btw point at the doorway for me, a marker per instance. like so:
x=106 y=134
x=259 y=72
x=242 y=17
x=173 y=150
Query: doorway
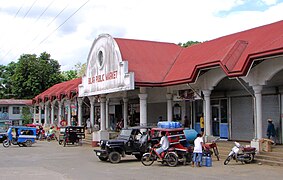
x=219 y=118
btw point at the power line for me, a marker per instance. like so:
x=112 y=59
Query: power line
x=48 y=23
x=30 y=8
x=23 y=18
x=62 y=24
x=15 y=16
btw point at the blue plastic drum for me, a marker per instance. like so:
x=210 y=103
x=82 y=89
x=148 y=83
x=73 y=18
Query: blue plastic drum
x=191 y=135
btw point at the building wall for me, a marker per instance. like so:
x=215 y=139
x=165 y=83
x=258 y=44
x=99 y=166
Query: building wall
x=154 y=110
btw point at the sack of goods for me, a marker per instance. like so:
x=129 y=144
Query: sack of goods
x=169 y=124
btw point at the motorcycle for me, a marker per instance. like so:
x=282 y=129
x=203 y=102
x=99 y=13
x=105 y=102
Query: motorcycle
x=169 y=157
x=51 y=137
x=240 y=153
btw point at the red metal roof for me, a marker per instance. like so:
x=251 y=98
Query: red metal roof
x=58 y=90
x=150 y=61
x=15 y=102
x=163 y=64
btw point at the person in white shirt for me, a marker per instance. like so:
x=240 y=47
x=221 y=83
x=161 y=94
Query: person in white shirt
x=164 y=142
x=198 y=145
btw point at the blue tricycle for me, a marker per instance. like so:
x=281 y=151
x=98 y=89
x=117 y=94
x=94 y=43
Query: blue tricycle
x=20 y=135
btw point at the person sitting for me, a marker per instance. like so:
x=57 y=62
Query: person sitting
x=164 y=144
x=51 y=131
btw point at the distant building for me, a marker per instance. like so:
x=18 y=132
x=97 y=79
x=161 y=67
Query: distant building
x=11 y=111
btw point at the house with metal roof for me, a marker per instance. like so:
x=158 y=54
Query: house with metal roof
x=11 y=111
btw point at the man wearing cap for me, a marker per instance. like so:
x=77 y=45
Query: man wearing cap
x=271 y=130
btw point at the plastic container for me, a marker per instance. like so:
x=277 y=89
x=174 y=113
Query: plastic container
x=163 y=124
x=208 y=161
x=169 y=124
x=191 y=135
x=204 y=160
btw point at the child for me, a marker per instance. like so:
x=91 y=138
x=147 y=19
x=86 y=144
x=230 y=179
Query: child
x=198 y=144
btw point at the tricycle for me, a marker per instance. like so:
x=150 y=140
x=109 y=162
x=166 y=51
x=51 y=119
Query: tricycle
x=71 y=135
x=20 y=135
x=177 y=141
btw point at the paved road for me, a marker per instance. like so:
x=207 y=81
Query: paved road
x=48 y=160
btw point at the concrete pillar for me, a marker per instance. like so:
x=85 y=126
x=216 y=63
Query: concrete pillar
x=91 y=101
x=52 y=111
x=39 y=113
x=46 y=113
x=125 y=110
x=169 y=106
x=207 y=113
x=69 y=112
x=143 y=109
x=102 y=112
x=60 y=104
x=258 y=100
x=107 y=114
x=80 y=104
x=34 y=113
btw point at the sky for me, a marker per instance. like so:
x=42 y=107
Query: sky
x=66 y=29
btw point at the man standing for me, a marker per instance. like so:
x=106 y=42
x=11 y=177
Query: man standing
x=88 y=125
x=198 y=146
x=201 y=121
x=271 y=130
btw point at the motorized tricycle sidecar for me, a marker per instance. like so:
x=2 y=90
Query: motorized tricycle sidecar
x=20 y=135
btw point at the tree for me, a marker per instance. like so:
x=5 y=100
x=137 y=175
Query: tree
x=32 y=75
x=26 y=115
x=69 y=75
x=189 y=43
x=5 y=80
x=81 y=69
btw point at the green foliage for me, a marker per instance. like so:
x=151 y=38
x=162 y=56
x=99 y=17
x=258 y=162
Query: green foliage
x=189 y=43
x=81 y=69
x=69 y=75
x=32 y=75
x=26 y=115
x=5 y=80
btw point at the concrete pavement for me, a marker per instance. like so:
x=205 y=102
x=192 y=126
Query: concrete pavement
x=48 y=160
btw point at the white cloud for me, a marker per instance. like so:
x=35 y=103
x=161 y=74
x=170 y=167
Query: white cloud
x=157 y=20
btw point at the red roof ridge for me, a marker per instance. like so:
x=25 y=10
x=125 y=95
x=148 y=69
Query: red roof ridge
x=142 y=40
x=233 y=55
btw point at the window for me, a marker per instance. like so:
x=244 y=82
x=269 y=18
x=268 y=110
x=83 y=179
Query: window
x=16 y=110
x=3 y=109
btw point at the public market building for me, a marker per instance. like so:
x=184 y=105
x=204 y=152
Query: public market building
x=235 y=81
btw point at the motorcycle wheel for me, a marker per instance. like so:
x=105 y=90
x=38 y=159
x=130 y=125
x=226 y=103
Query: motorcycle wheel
x=171 y=159
x=48 y=139
x=147 y=159
x=250 y=159
x=6 y=143
x=227 y=160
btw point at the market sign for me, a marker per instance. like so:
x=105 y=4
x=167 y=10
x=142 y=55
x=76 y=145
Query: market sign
x=106 y=72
